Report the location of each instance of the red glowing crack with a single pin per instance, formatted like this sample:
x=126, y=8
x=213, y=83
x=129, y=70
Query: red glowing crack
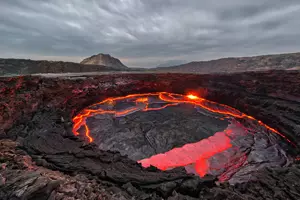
x=172, y=99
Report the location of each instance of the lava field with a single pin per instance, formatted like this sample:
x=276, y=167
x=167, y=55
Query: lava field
x=151, y=136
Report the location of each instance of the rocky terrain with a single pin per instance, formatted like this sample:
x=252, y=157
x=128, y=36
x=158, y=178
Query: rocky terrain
x=106, y=63
x=23, y=66
x=104, y=59
x=229, y=65
x=40, y=157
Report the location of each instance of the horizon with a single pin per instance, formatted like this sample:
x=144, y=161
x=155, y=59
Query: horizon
x=249, y=56
x=145, y=34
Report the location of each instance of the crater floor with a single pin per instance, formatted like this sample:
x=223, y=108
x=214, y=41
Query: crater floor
x=169, y=130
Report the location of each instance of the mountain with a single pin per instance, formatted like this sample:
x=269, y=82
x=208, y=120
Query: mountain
x=170, y=63
x=105, y=60
x=239, y=64
x=23, y=66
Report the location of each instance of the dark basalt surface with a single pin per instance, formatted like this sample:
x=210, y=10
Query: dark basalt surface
x=143, y=134
x=41, y=158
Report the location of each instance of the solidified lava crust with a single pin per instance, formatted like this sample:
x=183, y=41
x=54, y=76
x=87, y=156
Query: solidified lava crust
x=200, y=154
x=42, y=159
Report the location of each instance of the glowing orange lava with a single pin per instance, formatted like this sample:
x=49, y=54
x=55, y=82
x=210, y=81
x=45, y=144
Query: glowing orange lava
x=197, y=153
x=171, y=98
x=192, y=97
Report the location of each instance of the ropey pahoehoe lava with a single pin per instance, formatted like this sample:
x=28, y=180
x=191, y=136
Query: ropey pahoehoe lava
x=215, y=138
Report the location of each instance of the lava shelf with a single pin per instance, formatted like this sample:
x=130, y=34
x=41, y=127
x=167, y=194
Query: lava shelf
x=218, y=147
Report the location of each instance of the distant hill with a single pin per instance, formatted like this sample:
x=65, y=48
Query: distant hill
x=239, y=64
x=170, y=63
x=23, y=66
x=105, y=60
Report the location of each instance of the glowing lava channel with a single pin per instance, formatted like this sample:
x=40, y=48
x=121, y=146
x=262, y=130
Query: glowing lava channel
x=197, y=153
x=170, y=98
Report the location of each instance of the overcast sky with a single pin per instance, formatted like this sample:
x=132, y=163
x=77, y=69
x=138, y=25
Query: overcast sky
x=145, y=33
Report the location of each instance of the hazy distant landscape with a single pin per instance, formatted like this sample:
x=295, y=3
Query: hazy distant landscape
x=107, y=63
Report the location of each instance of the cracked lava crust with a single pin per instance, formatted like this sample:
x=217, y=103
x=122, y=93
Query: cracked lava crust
x=168, y=130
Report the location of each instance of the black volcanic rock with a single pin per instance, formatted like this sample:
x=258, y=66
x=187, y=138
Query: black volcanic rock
x=239, y=64
x=105, y=60
x=155, y=132
x=40, y=158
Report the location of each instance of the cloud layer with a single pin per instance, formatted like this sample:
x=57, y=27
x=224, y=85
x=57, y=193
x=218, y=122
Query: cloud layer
x=145, y=33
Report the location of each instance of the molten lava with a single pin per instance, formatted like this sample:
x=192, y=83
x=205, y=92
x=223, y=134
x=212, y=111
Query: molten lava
x=195, y=153
x=192, y=97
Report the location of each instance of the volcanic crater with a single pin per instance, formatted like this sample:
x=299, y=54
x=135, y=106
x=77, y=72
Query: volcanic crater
x=150, y=136
x=174, y=130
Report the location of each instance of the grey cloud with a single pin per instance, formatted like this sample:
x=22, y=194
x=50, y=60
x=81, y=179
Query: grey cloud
x=145, y=33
